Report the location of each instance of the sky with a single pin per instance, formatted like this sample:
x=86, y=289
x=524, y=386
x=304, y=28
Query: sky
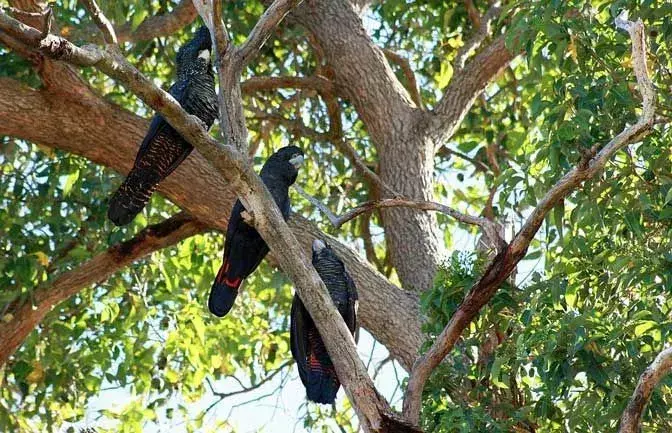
x=280, y=412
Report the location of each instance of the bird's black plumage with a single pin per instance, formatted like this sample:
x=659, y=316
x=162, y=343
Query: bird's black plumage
x=315, y=367
x=163, y=149
x=244, y=248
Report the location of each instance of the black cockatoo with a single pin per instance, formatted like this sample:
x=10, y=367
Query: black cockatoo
x=244, y=248
x=315, y=367
x=163, y=149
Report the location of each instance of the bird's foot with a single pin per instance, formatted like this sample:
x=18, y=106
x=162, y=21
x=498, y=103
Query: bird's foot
x=248, y=217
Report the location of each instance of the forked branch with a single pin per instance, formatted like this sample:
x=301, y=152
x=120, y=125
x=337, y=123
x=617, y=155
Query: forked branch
x=505, y=262
x=490, y=228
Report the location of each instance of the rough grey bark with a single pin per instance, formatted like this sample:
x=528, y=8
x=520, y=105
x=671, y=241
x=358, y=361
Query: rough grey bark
x=364, y=77
x=654, y=373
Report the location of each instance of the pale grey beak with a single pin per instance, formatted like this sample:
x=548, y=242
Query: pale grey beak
x=204, y=54
x=318, y=245
x=296, y=161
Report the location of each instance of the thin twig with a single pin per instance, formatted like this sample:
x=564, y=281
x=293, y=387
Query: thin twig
x=490, y=228
x=380, y=366
x=101, y=21
x=222, y=395
x=264, y=27
x=337, y=139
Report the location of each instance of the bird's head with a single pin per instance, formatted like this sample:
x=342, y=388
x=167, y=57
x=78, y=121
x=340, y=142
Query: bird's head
x=194, y=56
x=319, y=245
x=284, y=164
x=324, y=257
x=320, y=249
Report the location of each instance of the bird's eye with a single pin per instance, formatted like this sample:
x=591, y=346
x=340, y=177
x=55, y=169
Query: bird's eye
x=204, y=54
x=296, y=160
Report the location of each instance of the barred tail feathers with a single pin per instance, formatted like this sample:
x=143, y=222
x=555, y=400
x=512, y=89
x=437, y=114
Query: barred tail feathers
x=132, y=196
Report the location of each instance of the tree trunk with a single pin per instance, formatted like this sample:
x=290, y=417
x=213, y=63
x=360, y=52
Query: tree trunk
x=363, y=76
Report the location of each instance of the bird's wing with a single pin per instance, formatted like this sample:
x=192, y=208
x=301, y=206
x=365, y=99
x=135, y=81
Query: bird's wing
x=234, y=220
x=199, y=98
x=160, y=126
x=353, y=304
x=298, y=337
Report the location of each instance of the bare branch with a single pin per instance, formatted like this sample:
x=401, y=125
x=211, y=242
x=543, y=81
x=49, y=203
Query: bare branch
x=101, y=21
x=159, y=25
x=465, y=87
x=53, y=46
x=405, y=66
x=483, y=30
x=21, y=13
x=333, y=218
x=221, y=36
x=24, y=317
x=337, y=139
x=505, y=262
x=659, y=368
x=479, y=165
x=262, y=30
x=490, y=228
x=256, y=84
x=244, y=389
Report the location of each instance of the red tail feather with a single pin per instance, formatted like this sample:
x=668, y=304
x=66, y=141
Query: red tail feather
x=222, y=277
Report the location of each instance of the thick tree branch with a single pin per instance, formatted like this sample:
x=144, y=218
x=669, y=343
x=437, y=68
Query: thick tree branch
x=505, y=262
x=491, y=229
x=373, y=411
x=25, y=317
x=483, y=30
x=465, y=87
x=57, y=76
x=659, y=368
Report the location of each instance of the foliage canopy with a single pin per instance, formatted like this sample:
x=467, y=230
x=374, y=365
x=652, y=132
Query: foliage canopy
x=559, y=349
